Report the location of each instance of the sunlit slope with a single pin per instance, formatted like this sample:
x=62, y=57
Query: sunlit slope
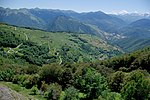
x=65, y=46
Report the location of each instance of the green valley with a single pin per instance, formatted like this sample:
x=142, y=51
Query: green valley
x=54, y=46
x=40, y=65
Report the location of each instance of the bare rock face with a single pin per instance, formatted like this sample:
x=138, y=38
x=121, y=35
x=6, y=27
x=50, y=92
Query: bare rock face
x=8, y=94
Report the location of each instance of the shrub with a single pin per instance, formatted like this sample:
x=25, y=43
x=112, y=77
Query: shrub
x=34, y=90
x=116, y=81
x=27, y=81
x=107, y=95
x=71, y=93
x=54, y=91
x=91, y=83
x=67, y=78
x=6, y=73
x=136, y=87
x=44, y=86
x=50, y=73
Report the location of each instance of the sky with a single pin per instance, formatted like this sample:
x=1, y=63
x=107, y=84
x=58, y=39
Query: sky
x=107, y=6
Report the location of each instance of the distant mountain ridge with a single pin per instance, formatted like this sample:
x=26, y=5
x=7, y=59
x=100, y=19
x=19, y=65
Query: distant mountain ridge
x=45, y=18
x=142, y=23
x=101, y=20
x=139, y=28
x=131, y=17
x=137, y=35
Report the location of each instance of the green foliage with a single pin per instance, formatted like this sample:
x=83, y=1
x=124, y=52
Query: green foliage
x=67, y=78
x=39, y=47
x=136, y=87
x=44, y=86
x=34, y=90
x=107, y=95
x=6, y=73
x=68, y=55
x=35, y=54
x=54, y=91
x=25, y=80
x=9, y=39
x=143, y=61
x=71, y=93
x=91, y=83
x=105, y=71
x=139, y=59
x=116, y=81
x=31, y=69
x=51, y=73
x=51, y=66
x=22, y=49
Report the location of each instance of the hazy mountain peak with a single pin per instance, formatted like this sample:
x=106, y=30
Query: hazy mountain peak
x=123, y=12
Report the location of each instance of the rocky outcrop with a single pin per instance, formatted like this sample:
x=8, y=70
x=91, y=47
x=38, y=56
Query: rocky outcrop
x=8, y=94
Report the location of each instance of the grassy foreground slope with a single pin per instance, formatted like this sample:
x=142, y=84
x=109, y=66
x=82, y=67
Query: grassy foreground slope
x=62, y=47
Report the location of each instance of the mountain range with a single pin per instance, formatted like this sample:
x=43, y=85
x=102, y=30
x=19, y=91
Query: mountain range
x=131, y=17
x=136, y=35
x=128, y=31
x=44, y=19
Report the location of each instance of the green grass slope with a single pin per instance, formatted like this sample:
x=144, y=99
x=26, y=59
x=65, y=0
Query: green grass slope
x=58, y=47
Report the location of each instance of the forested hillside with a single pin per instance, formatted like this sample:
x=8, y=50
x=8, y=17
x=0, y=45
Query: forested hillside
x=39, y=47
x=62, y=66
x=136, y=36
x=120, y=78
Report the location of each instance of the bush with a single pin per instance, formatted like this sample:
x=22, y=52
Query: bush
x=107, y=95
x=27, y=81
x=6, y=73
x=34, y=90
x=71, y=93
x=67, y=78
x=136, y=87
x=116, y=81
x=91, y=83
x=45, y=94
x=32, y=69
x=44, y=86
x=50, y=73
x=54, y=91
